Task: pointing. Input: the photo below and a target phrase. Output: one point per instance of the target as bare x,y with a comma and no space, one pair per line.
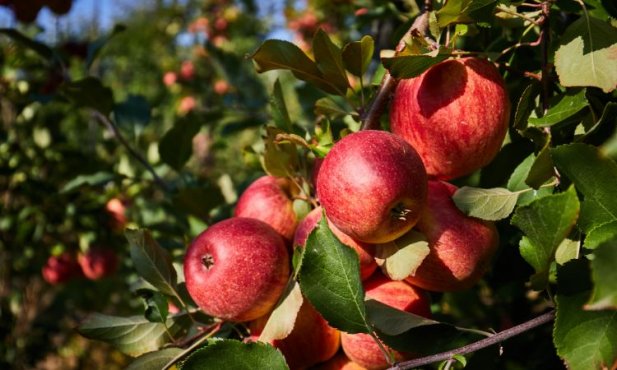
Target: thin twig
200,341
486,342
546,68
118,135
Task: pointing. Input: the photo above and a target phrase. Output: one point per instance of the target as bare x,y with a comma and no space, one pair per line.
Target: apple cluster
373,187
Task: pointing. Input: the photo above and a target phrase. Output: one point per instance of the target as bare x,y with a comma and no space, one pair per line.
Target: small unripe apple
310,342
365,251
455,115
237,269
461,247
362,348
372,185
98,262
60,269
269,199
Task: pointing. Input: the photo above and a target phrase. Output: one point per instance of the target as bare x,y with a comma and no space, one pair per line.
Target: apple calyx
208,261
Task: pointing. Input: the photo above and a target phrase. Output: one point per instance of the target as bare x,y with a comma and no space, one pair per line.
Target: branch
370,118
545,35
118,135
487,342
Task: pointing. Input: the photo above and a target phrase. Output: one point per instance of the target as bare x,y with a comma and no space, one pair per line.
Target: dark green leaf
95,47
516,183
584,339
586,55
280,115
546,222
541,170
176,146
89,93
133,335
279,54
594,176
409,66
525,106
154,360
609,117
464,11
487,204
329,60
332,108
199,200
330,280
157,307
94,179
152,262
390,321
133,113
235,355
41,49
604,276
357,55
567,106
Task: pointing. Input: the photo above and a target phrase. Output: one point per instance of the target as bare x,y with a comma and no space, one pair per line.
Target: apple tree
404,184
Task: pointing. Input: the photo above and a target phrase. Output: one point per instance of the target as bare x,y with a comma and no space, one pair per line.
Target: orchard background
120,144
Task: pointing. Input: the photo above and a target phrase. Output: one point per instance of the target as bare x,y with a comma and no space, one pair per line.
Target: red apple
365,251
116,209
221,87
187,104
339,362
269,199
98,262
310,342
372,185
362,348
170,78
237,269
187,70
461,247
60,269
455,115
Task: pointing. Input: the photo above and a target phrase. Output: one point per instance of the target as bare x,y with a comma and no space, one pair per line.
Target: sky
84,12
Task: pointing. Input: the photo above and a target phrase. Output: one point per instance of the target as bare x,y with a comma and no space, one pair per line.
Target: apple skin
310,342
237,269
372,185
455,115
366,252
339,362
60,269
361,348
461,247
98,263
268,199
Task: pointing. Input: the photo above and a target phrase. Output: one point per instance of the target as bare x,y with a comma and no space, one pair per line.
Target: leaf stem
383,349
200,341
111,126
483,343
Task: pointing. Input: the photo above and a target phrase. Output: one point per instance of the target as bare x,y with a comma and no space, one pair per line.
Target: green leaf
601,234
609,117
463,11
279,54
332,108
235,355
95,179
604,276
280,115
41,49
283,317
95,47
330,280
400,258
526,105
133,335
567,251
154,360
594,176
199,200
133,113
517,184
409,66
586,56
546,222
567,106
357,55
584,339
89,93
152,262
157,307
487,204
542,168
279,159
176,146
391,321
329,60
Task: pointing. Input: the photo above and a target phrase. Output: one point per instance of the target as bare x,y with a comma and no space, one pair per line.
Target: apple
26,11
461,247
60,269
98,262
117,210
221,87
170,78
310,342
269,199
237,269
372,185
339,362
455,114
187,70
365,251
187,104
362,348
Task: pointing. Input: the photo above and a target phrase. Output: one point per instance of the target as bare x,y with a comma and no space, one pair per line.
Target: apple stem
401,212
483,343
